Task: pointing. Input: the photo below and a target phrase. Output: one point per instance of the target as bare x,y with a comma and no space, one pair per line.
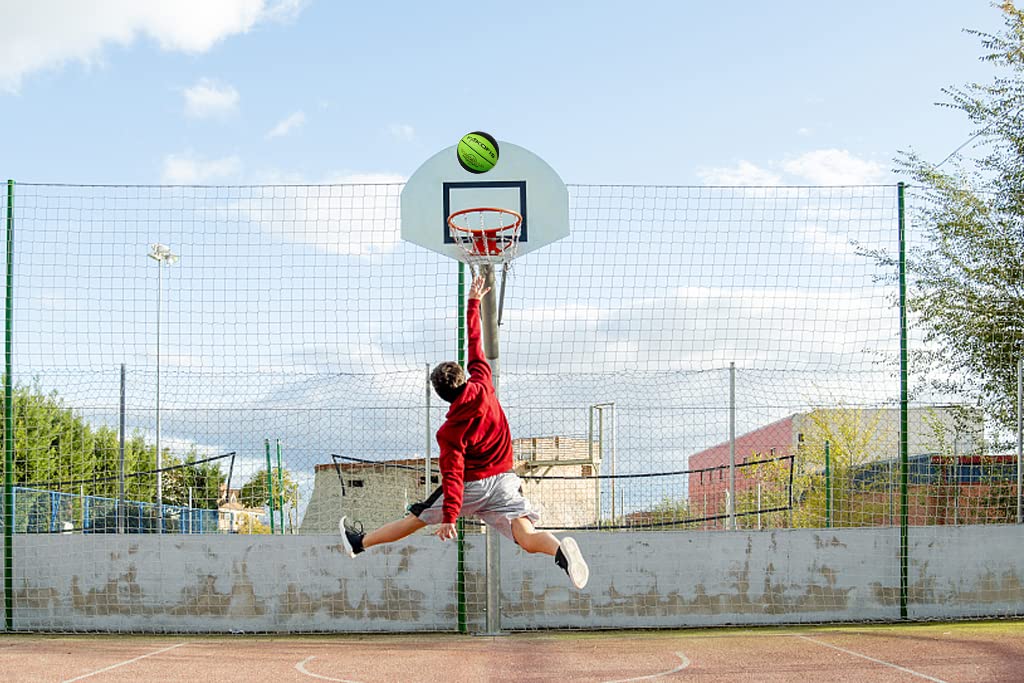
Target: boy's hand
445,532
478,288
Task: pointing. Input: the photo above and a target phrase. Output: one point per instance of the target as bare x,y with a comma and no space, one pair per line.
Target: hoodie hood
468,404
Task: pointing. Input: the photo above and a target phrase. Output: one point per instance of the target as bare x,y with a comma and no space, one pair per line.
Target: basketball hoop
486,235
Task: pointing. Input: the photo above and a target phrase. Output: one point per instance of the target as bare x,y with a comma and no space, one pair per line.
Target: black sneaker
570,559
351,537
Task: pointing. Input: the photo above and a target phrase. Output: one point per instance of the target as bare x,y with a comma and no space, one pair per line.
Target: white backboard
520,181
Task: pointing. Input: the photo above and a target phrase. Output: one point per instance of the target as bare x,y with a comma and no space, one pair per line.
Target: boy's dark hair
449,379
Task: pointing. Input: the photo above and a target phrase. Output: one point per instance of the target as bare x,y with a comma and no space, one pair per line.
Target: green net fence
689,358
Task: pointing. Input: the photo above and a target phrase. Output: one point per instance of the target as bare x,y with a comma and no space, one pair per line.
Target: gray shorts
496,501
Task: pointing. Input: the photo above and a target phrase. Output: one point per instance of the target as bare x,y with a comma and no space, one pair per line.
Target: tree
255,493
204,481
58,450
845,493
966,281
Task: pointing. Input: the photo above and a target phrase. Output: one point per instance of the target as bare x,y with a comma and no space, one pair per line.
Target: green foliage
251,525
967,277
54,446
851,435
255,493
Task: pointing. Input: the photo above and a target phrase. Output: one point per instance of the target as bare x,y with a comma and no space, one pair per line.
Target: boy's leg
355,541
531,540
393,531
567,551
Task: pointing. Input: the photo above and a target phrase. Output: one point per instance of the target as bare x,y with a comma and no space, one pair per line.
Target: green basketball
477,152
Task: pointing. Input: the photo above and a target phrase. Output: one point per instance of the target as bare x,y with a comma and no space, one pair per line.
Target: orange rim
487,241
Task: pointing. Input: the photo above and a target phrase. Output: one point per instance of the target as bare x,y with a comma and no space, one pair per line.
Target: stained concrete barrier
281,584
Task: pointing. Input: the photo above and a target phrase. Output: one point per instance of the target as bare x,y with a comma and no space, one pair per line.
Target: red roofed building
874,433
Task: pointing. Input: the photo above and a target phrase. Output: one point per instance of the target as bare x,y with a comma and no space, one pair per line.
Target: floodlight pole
489,323
161,254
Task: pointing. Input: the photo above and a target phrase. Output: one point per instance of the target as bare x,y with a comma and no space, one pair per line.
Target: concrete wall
653,579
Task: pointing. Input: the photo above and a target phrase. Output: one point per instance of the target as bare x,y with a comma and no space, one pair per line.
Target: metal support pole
9,417
904,406
828,487
489,323
732,446
594,463
426,445
599,409
280,486
615,439
159,455
460,524
270,485
161,254
1020,438
600,450
120,457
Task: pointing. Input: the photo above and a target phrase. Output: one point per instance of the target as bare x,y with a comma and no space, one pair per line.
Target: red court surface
973,651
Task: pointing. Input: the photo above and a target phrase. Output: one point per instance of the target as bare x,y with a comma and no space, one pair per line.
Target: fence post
460,525
120,458
732,447
270,486
427,434
280,486
1020,437
904,401
9,417
828,487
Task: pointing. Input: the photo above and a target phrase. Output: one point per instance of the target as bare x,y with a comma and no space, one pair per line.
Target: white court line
301,668
872,659
130,661
686,663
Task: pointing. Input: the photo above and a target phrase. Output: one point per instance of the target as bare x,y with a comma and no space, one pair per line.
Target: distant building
370,493
877,431
231,514
572,501
558,479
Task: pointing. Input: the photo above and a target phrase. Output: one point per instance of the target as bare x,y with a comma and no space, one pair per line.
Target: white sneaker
576,568
351,538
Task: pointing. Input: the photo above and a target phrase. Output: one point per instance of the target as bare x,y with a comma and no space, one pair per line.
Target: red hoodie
475,440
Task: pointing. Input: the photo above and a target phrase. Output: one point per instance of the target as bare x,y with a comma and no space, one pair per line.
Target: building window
586,471
355,483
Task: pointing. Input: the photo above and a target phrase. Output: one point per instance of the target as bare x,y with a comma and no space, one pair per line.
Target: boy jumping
476,466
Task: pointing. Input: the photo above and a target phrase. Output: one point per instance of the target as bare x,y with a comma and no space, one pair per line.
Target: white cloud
817,167
804,131
287,125
744,173
337,220
402,131
188,170
209,99
834,167
47,34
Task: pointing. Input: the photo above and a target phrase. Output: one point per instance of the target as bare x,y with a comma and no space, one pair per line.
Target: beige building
232,515
558,479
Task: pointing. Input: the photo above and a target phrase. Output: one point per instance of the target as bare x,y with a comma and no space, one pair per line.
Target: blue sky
300,91
257,91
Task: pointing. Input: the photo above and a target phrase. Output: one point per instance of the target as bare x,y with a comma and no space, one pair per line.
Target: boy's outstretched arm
478,366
